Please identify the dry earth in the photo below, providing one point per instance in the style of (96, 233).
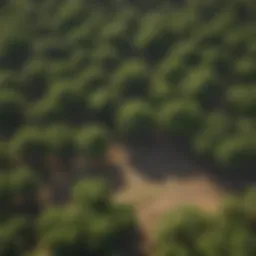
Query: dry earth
(152, 198)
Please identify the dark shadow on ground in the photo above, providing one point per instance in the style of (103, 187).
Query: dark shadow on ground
(160, 159)
(163, 158)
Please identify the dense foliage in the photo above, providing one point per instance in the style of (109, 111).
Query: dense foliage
(192, 232)
(76, 75)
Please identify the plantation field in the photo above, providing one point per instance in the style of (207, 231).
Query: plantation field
(128, 127)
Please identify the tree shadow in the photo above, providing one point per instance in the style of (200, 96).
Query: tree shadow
(163, 158)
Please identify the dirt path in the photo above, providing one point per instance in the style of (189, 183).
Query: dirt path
(152, 199)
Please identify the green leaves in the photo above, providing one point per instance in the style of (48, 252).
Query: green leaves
(136, 119)
(92, 141)
(181, 118)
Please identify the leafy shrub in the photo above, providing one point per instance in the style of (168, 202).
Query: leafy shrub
(103, 105)
(242, 99)
(154, 38)
(52, 48)
(181, 118)
(24, 183)
(92, 193)
(181, 232)
(12, 107)
(192, 232)
(14, 52)
(106, 229)
(172, 69)
(5, 195)
(5, 158)
(216, 127)
(246, 126)
(92, 79)
(15, 236)
(79, 61)
(62, 141)
(236, 151)
(92, 141)
(131, 79)
(62, 104)
(201, 84)
(244, 69)
(135, 120)
(69, 16)
(161, 91)
(106, 57)
(29, 145)
(114, 33)
(34, 80)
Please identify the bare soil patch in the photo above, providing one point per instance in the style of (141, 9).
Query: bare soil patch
(153, 197)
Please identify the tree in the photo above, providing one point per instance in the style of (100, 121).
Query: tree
(63, 104)
(87, 228)
(30, 146)
(5, 157)
(236, 151)
(135, 120)
(181, 231)
(200, 84)
(181, 118)
(92, 141)
(103, 104)
(241, 99)
(216, 127)
(62, 141)
(14, 52)
(131, 79)
(15, 236)
(12, 108)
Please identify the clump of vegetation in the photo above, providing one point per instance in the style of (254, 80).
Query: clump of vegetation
(76, 76)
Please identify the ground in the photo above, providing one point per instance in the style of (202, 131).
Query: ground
(152, 198)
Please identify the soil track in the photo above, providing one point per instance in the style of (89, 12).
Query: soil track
(152, 198)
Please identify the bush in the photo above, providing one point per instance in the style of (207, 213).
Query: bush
(181, 118)
(106, 231)
(201, 84)
(106, 57)
(30, 145)
(131, 79)
(216, 127)
(102, 104)
(115, 34)
(62, 141)
(5, 157)
(62, 104)
(242, 99)
(34, 80)
(12, 108)
(91, 80)
(181, 231)
(14, 52)
(172, 69)
(246, 126)
(244, 69)
(92, 141)
(154, 38)
(15, 236)
(92, 193)
(5, 195)
(236, 151)
(135, 120)
(161, 91)
(191, 232)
